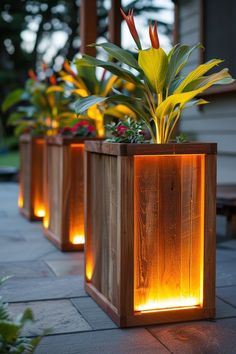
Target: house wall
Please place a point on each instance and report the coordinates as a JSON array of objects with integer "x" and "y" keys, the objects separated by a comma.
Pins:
[{"x": 214, "y": 122}]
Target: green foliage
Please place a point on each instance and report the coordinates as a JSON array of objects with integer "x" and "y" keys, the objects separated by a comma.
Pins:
[
  {"x": 39, "y": 108},
  {"x": 10, "y": 331},
  {"x": 164, "y": 93},
  {"x": 182, "y": 138},
  {"x": 127, "y": 131},
  {"x": 13, "y": 98}
]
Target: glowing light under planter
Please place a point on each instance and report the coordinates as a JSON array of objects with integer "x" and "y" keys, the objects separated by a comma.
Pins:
[
  {"x": 78, "y": 240},
  {"x": 39, "y": 212},
  {"x": 46, "y": 222},
  {"x": 166, "y": 304},
  {"x": 20, "y": 201},
  {"x": 168, "y": 268}
]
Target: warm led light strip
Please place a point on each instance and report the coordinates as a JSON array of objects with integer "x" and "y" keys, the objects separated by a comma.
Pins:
[{"x": 78, "y": 240}]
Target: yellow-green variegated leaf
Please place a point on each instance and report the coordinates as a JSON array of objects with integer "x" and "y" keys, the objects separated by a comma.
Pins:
[
  {"x": 120, "y": 111},
  {"x": 78, "y": 82},
  {"x": 204, "y": 82},
  {"x": 55, "y": 88},
  {"x": 109, "y": 85},
  {"x": 174, "y": 101},
  {"x": 69, "y": 115},
  {"x": 154, "y": 63},
  {"x": 80, "y": 92},
  {"x": 197, "y": 73}
]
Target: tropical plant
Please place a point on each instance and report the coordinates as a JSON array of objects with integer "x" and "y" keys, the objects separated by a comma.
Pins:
[
  {"x": 85, "y": 83},
  {"x": 10, "y": 331},
  {"x": 40, "y": 107},
  {"x": 166, "y": 91}
]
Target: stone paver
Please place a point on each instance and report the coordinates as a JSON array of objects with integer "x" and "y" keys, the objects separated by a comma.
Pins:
[
  {"x": 25, "y": 269},
  {"x": 228, "y": 294},
  {"x": 15, "y": 290},
  {"x": 202, "y": 337},
  {"x": 224, "y": 310},
  {"x": 51, "y": 283},
  {"x": 68, "y": 267},
  {"x": 116, "y": 341},
  {"x": 59, "y": 316},
  {"x": 95, "y": 316}
]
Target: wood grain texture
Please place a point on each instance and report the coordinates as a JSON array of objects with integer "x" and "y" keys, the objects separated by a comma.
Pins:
[
  {"x": 125, "y": 231},
  {"x": 101, "y": 234},
  {"x": 65, "y": 193},
  {"x": 168, "y": 230},
  {"x": 122, "y": 149},
  {"x": 210, "y": 235},
  {"x": 31, "y": 177},
  {"x": 148, "y": 221}
]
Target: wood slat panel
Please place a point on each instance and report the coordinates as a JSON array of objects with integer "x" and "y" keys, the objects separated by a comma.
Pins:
[
  {"x": 101, "y": 248},
  {"x": 73, "y": 200},
  {"x": 31, "y": 177},
  {"x": 168, "y": 230},
  {"x": 54, "y": 165},
  {"x": 37, "y": 159},
  {"x": 25, "y": 167}
]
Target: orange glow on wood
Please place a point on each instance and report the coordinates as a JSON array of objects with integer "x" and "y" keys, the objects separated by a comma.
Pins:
[
  {"x": 45, "y": 222},
  {"x": 20, "y": 201},
  {"x": 78, "y": 240},
  {"x": 39, "y": 212},
  {"x": 89, "y": 268},
  {"x": 169, "y": 225},
  {"x": 76, "y": 219}
]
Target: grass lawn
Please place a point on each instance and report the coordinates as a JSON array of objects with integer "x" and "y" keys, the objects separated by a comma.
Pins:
[{"x": 10, "y": 159}]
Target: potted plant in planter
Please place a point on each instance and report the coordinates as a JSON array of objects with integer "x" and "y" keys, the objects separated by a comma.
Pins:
[
  {"x": 64, "y": 172},
  {"x": 41, "y": 110},
  {"x": 63, "y": 222},
  {"x": 84, "y": 82},
  {"x": 150, "y": 246}
]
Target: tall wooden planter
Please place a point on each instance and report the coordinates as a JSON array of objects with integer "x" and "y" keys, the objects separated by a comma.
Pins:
[
  {"x": 30, "y": 199},
  {"x": 64, "y": 192},
  {"x": 150, "y": 231}
]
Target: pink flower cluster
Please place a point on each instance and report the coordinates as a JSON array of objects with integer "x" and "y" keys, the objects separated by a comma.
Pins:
[{"x": 81, "y": 128}]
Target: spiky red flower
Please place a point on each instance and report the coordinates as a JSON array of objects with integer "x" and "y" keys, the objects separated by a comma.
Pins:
[
  {"x": 32, "y": 75},
  {"x": 68, "y": 69},
  {"x": 154, "y": 36},
  {"x": 131, "y": 24},
  {"x": 53, "y": 80}
]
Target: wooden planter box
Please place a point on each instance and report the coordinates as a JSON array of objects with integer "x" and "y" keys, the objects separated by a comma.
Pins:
[
  {"x": 150, "y": 231},
  {"x": 30, "y": 199},
  {"x": 64, "y": 192}
]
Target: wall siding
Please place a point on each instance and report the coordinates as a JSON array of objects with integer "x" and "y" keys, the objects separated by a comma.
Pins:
[{"x": 214, "y": 122}]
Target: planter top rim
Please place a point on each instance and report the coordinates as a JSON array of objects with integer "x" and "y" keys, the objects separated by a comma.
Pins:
[
  {"x": 127, "y": 149},
  {"x": 67, "y": 140},
  {"x": 27, "y": 137}
]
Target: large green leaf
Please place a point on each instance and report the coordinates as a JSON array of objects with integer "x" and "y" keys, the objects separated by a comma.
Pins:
[
  {"x": 112, "y": 67},
  {"x": 88, "y": 75},
  {"x": 13, "y": 98},
  {"x": 82, "y": 104},
  {"x": 15, "y": 117},
  {"x": 9, "y": 330},
  {"x": 154, "y": 63},
  {"x": 178, "y": 58},
  {"x": 122, "y": 55}
]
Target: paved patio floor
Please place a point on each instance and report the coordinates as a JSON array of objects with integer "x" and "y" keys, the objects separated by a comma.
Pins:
[{"x": 51, "y": 283}]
